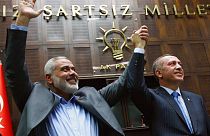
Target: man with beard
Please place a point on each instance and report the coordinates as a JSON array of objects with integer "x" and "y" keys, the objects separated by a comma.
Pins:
[
  {"x": 170, "y": 111},
  {"x": 62, "y": 109}
]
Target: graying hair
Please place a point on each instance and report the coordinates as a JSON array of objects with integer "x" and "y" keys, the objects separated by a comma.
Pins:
[
  {"x": 50, "y": 65},
  {"x": 158, "y": 64}
]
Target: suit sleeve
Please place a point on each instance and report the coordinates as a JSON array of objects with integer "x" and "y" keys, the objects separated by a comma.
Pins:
[
  {"x": 208, "y": 125},
  {"x": 207, "y": 117},
  {"x": 141, "y": 96},
  {"x": 16, "y": 71},
  {"x": 127, "y": 81}
]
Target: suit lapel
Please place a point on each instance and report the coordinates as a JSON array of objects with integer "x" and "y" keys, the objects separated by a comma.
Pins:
[
  {"x": 172, "y": 102},
  {"x": 93, "y": 102},
  {"x": 189, "y": 104},
  {"x": 36, "y": 109}
]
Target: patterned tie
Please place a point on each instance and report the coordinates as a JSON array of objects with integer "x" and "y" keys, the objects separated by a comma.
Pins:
[{"x": 186, "y": 116}]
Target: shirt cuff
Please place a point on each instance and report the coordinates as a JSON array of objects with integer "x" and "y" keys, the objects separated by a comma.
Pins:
[
  {"x": 16, "y": 27},
  {"x": 139, "y": 50}
]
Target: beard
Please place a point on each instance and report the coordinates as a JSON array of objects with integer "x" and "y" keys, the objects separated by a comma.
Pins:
[{"x": 64, "y": 85}]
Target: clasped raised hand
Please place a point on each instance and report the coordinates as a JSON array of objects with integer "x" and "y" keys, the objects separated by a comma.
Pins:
[{"x": 140, "y": 37}]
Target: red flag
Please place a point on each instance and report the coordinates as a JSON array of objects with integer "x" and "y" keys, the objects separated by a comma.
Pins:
[{"x": 5, "y": 120}]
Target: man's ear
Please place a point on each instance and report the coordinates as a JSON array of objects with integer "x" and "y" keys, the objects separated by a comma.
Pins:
[
  {"x": 158, "y": 73},
  {"x": 48, "y": 78}
]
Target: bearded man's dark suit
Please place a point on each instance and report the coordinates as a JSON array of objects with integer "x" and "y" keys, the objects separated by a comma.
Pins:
[
  {"x": 162, "y": 113},
  {"x": 36, "y": 101}
]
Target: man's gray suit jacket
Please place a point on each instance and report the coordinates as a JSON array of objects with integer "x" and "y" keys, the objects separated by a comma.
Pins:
[{"x": 35, "y": 101}]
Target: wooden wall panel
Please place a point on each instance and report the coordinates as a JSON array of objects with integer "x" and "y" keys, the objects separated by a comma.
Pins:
[
  {"x": 118, "y": 4},
  {"x": 204, "y": 83},
  {"x": 187, "y": 84},
  {"x": 142, "y": 3},
  {"x": 103, "y": 23},
  {"x": 192, "y": 28},
  {"x": 83, "y": 62},
  {"x": 34, "y": 34},
  {"x": 97, "y": 3},
  {"x": 33, "y": 64},
  {"x": 206, "y": 27},
  {"x": 174, "y": 28},
  {"x": 152, "y": 25},
  {"x": 80, "y": 3},
  {"x": 55, "y": 30},
  {"x": 199, "y": 57},
  {"x": 3, "y": 31},
  {"x": 4, "y": 22},
  {"x": 55, "y": 52},
  {"x": 181, "y": 4},
  {"x": 152, "y": 53},
  {"x": 131, "y": 26},
  {"x": 105, "y": 57},
  {"x": 80, "y": 31}
]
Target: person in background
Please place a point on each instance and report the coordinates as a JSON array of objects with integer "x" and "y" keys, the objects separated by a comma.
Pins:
[
  {"x": 62, "y": 109},
  {"x": 169, "y": 110}
]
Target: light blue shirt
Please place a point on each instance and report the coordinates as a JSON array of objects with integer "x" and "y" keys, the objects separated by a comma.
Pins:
[
  {"x": 170, "y": 91},
  {"x": 16, "y": 27},
  {"x": 183, "y": 106},
  {"x": 70, "y": 119}
]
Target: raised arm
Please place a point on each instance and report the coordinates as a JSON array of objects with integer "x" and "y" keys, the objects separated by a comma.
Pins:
[
  {"x": 16, "y": 71},
  {"x": 130, "y": 77}
]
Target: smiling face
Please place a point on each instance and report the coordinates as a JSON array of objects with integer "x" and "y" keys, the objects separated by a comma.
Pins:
[
  {"x": 169, "y": 71},
  {"x": 63, "y": 78}
]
